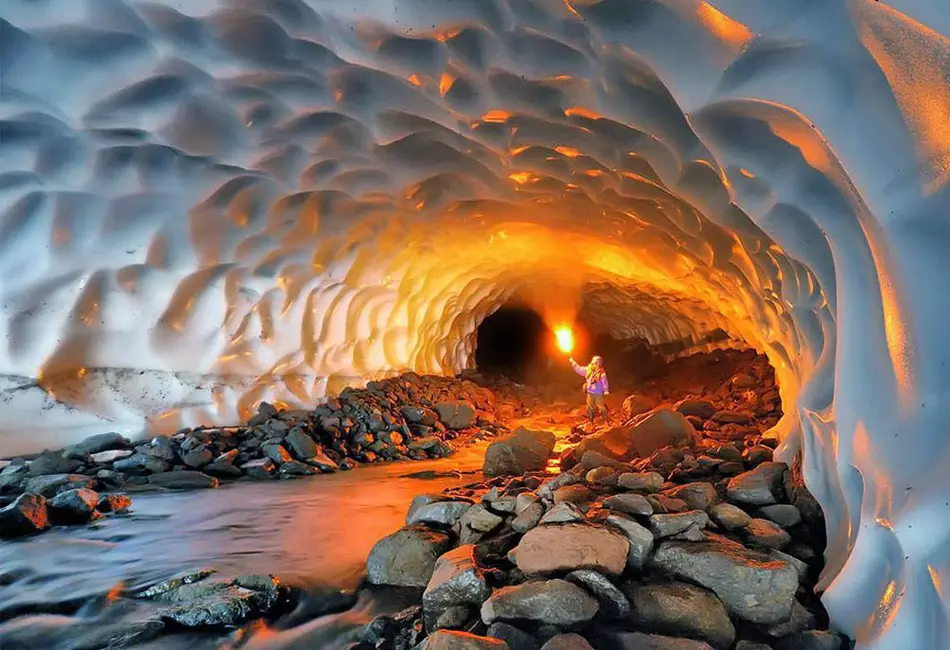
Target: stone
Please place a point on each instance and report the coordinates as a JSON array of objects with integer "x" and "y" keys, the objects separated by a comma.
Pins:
[
  {"x": 549, "y": 602},
  {"x": 419, "y": 415},
  {"x": 639, "y": 538},
  {"x": 631, "y": 504},
  {"x": 161, "y": 447},
  {"x": 641, "y": 641},
  {"x": 567, "y": 642},
  {"x": 783, "y": 514},
  {"x": 207, "y": 604},
  {"x": 562, "y": 513},
  {"x": 73, "y": 506},
  {"x": 27, "y": 515},
  {"x": 528, "y": 518},
  {"x": 732, "y": 417},
  {"x": 700, "y": 408},
  {"x": 663, "y": 504},
  {"x": 680, "y": 609},
  {"x": 115, "y": 502},
  {"x": 198, "y": 457},
  {"x": 50, "y": 486},
  {"x": 801, "y": 620},
  {"x": 452, "y": 618},
  {"x": 564, "y": 478},
  {"x": 53, "y": 462},
  {"x": 223, "y": 465},
  {"x": 451, "y": 640},
  {"x": 516, "y": 638},
  {"x": 762, "y": 533},
  {"x": 749, "y": 645},
  {"x": 110, "y": 456},
  {"x": 800, "y": 566},
  {"x": 575, "y": 494},
  {"x": 757, "y": 455},
  {"x": 260, "y": 468},
  {"x": 456, "y": 414},
  {"x": 183, "y": 480},
  {"x": 294, "y": 468},
  {"x": 13, "y": 478},
  {"x": 662, "y": 428},
  {"x": 641, "y": 481},
  {"x": 440, "y": 513},
  {"x": 421, "y": 500},
  {"x": 729, "y": 516},
  {"x": 322, "y": 462},
  {"x": 601, "y": 476},
  {"x": 675, "y": 523},
  {"x": 757, "y": 487},
  {"x": 96, "y": 444},
  {"x": 613, "y": 603},
  {"x": 139, "y": 463},
  {"x": 523, "y": 451},
  {"x": 277, "y": 453},
  {"x": 810, "y": 640},
  {"x": 302, "y": 445},
  {"x": 698, "y": 496},
  {"x": 407, "y": 557},
  {"x": 525, "y": 500},
  {"x": 481, "y": 519},
  {"x": 754, "y": 586},
  {"x": 456, "y": 580},
  {"x": 553, "y": 549},
  {"x": 635, "y": 405}
]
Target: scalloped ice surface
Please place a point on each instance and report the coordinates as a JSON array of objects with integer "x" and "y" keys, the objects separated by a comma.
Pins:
[{"x": 207, "y": 204}]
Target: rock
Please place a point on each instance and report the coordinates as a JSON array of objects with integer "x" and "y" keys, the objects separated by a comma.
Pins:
[
  {"x": 641, "y": 641},
  {"x": 302, "y": 445},
  {"x": 697, "y": 407},
  {"x": 481, "y": 519},
  {"x": 110, "y": 456},
  {"x": 161, "y": 447},
  {"x": 729, "y": 516},
  {"x": 73, "y": 506},
  {"x": 749, "y": 645},
  {"x": 664, "y": 505},
  {"x": 113, "y": 503},
  {"x": 783, "y": 514},
  {"x": 763, "y": 533},
  {"x": 223, "y": 465},
  {"x": 662, "y": 428},
  {"x": 601, "y": 475},
  {"x": 456, "y": 580},
  {"x": 52, "y": 462},
  {"x": 566, "y": 547},
  {"x": 673, "y": 524},
  {"x": 277, "y": 453},
  {"x": 639, "y": 538},
  {"x": 449, "y": 640},
  {"x": 452, "y": 618},
  {"x": 516, "y": 638},
  {"x": 757, "y": 455},
  {"x": 562, "y": 513},
  {"x": 139, "y": 463},
  {"x": 213, "y": 604},
  {"x": 183, "y": 480},
  {"x": 754, "y": 586},
  {"x": 456, "y": 414},
  {"x": 50, "y": 486},
  {"x": 523, "y": 451},
  {"x": 260, "y": 468},
  {"x": 732, "y": 417},
  {"x": 407, "y": 557},
  {"x": 171, "y": 584},
  {"x": 636, "y": 405},
  {"x": 440, "y": 513},
  {"x": 551, "y": 602},
  {"x": 573, "y": 494},
  {"x": 323, "y": 462},
  {"x": 698, "y": 496},
  {"x": 567, "y": 642},
  {"x": 800, "y": 567},
  {"x": 810, "y": 640},
  {"x": 613, "y": 602},
  {"x": 13, "y": 478},
  {"x": 96, "y": 444},
  {"x": 757, "y": 487},
  {"x": 293, "y": 468},
  {"x": 801, "y": 620},
  {"x": 641, "y": 482},
  {"x": 529, "y": 518},
  {"x": 419, "y": 415},
  {"x": 681, "y": 609},
  {"x": 25, "y": 516},
  {"x": 634, "y": 504},
  {"x": 564, "y": 478},
  {"x": 198, "y": 457}
]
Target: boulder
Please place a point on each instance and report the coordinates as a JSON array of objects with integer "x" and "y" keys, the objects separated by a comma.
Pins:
[
  {"x": 98, "y": 443},
  {"x": 662, "y": 428},
  {"x": 50, "y": 486},
  {"x": 700, "y": 408},
  {"x": 456, "y": 414},
  {"x": 523, "y": 451},
  {"x": 698, "y": 496},
  {"x": 729, "y": 516},
  {"x": 322, "y": 462},
  {"x": 757, "y": 487},
  {"x": 613, "y": 602},
  {"x": 566, "y": 547},
  {"x": 763, "y": 533},
  {"x": 294, "y": 468},
  {"x": 277, "y": 453},
  {"x": 562, "y": 513},
  {"x": 407, "y": 557},
  {"x": 754, "y": 586},
  {"x": 440, "y": 513},
  {"x": 676, "y": 523},
  {"x": 260, "y": 468},
  {"x": 641, "y": 641},
  {"x": 198, "y": 457},
  {"x": 419, "y": 415},
  {"x": 223, "y": 465},
  {"x": 115, "y": 502},
  {"x": 25, "y": 516},
  {"x": 680, "y": 609},
  {"x": 13, "y": 478},
  {"x": 302, "y": 445},
  {"x": 73, "y": 506},
  {"x": 639, "y": 538},
  {"x": 53, "y": 462},
  {"x": 635, "y": 405},
  {"x": 183, "y": 480},
  {"x": 139, "y": 464},
  {"x": 516, "y": 638},
  {"x": 733, "y": 417},
  {"x": 209, "y": 604},
  {"x": 529, "y": 518},
  {"x": 784, "y": 514},
  {"x": 801, "y": 620},
  {"x": 631, "y": 504},
  {"x": 549, "y": 602},
  {"x": 449, "y": 640},
  {"x": 576, "y": 493},
  {"x": 456, "y": 581},
  {"x": 107, "y": 457},
  {"x": 641, "y": 481},
  {"x": 567, "y": 642}
]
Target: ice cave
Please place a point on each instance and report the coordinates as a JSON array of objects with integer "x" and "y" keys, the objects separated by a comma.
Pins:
[{"x": 211, "y": 204}]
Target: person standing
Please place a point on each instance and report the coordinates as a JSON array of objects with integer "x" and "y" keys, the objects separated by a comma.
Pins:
[{"x": 596, "y": 386}]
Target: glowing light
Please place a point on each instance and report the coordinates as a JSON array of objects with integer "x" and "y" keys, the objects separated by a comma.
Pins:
[{"x": 565, "y": 338}]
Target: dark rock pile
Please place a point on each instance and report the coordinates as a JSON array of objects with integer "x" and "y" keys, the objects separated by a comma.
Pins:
[
  {"x": 700, "y": 545},
  {"x": 409, "y": 417}
]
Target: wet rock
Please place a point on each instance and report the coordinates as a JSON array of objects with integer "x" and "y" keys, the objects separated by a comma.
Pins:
[
  {"x": 407, "y": 557},
  {"x": 577, "y": 493},
  {"x": 676, "y": 523},
  {"x": 294, "y": 468},
  {"x": 171, "y": 584},
  {"x": 635, "y": 405},
  {"x": 754, "y": 586},
  {"x": 449, "y": 640},
  {"x": 763, "y": 533},
  {"x": 118, "y": 634},
  {"x": 456, "y": 581},
  {"x": 551, "y": 602},
  {"x": 562, "y": 513},
  {"x": 632, "y": 504},
  {"x": 73, "y": 506},
  {"x": 810, "y": 640},
  {"x": 53, "y": 462},
  {"x": 758, "y": 486},
  {"x": 260, "y": 468},
  {"x": 113, "y": 503},
  {"x": 183, "y": 480},
  {"x": 729, "y": 516},
  {"x": 516, "y": 638},
  {"x": 440, "y": 513},
  {"x": 95, "y": 444},
  {"x": 13, "y": 478},
  {"x": 110, "y": 456},
  {"x": 641, "y": 482},
  {"x": 213, "y": 604},
  {"x": 566, "y": 547},
  {"x": 523, "y": 451},
  {"x": 613, "y": 602},
  {"x": 697, "y": 407},
  {"x": 639, "y": 538},
  {"x": 198, "y": 457},
  {"x": 456, "y": 414},
  {"x": 50, "y": 486},
  {"x": 140, "y": 463},
  {"x": 680, "y": 609},
  {"x": 567, "y": 642},
  {"x": 783, "y": 514},
  {"x": 25, "y": 516},
  {"x": 641, "y": 641},
  {"x": 698, "y": 496}
]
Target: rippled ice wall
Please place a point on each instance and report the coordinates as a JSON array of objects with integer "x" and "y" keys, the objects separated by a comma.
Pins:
[{"x": 207, "y": 204}]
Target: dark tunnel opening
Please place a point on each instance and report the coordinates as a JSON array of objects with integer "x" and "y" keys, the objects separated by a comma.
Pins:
[{"x": 512, "y": 342}]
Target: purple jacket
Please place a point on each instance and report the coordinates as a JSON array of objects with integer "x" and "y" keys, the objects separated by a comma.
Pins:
[{"x": 598, "y": 387}]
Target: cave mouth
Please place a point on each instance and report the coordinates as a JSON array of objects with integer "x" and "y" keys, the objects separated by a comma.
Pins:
[{"x": 514, "y": 342}]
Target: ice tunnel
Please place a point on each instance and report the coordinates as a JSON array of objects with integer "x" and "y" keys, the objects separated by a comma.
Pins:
[{"x": 213, "y": 203}]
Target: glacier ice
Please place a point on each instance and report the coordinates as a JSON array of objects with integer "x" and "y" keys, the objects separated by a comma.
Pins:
[{"x": 207, "y": 204}]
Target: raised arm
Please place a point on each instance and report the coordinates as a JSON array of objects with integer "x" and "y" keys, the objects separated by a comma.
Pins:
[{"x": 579, "y": 369}]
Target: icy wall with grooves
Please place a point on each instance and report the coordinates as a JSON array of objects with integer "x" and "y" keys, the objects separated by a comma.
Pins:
[{"x": 204, "y": 204}]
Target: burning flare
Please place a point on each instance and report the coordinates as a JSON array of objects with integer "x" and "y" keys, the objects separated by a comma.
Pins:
[{"x": 565, "y": 338}]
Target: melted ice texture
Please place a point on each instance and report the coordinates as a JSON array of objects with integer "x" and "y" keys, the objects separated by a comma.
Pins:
[{"x": 205, "y": 204}]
